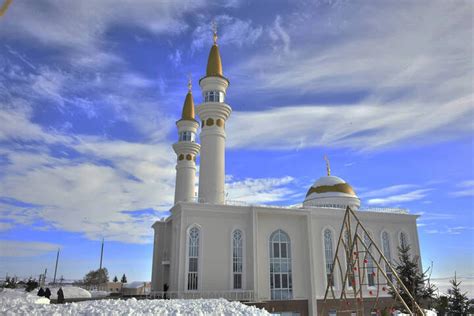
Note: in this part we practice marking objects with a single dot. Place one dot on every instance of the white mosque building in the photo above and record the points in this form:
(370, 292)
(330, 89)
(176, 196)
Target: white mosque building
(276, 257)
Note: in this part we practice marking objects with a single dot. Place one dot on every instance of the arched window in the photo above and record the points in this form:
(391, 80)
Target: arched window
(281, 285)
(369, 263)
(403, 240)
(387, 253)
(193, 258)
(237, 258)
(328, 255)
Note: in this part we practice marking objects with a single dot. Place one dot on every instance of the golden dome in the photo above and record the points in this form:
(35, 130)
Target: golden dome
(188, 107)
(214, 63)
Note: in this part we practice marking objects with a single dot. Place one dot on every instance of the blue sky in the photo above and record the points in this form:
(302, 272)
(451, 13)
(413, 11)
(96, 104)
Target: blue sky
(90, 92)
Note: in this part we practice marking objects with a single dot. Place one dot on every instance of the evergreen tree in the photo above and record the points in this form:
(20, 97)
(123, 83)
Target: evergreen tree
(458, 303)
(413, 279)
(11, 283)
(441, 305)
(124, 279)
(94, 277)
(115, 279)
(31, 285)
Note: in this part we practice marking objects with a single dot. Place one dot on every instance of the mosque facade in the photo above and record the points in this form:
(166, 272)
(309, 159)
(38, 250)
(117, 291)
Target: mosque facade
(278, 258)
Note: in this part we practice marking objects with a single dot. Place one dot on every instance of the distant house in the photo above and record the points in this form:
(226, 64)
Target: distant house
(136, 288)
(113, 287)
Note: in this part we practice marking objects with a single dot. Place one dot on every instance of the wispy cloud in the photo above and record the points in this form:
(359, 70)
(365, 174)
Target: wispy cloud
(279, 36)
(263, 190)
(455, 230)
(465, 188)
(414, 87)
(400, 198)
(395, 194)
(388, 190)
(80, 27)
(232, 31)
(13, 248)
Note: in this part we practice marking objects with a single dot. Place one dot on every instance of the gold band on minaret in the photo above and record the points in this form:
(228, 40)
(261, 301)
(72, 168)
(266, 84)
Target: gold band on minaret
(328, 167)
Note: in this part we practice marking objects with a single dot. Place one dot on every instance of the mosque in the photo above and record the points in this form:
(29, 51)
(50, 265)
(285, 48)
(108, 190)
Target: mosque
(278, 258)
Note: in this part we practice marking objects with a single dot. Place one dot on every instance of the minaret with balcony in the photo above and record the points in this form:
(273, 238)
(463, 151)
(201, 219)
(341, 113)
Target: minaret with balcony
(213, 113)
(186, 150)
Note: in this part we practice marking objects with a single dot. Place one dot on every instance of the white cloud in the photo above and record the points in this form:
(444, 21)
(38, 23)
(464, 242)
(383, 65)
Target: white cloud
(361, 127)
(415, 75)
(395, 194)
(387, 191)
(13, 248)
(466, 188)
(231, 31)
(82, 25)
(400, 198)
(136, 80)
(175, 58)
(279, 36)
(93, 195)
(263, 190)
(455, 230)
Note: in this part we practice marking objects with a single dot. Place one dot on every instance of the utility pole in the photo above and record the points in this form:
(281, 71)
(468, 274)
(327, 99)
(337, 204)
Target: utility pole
(44, 276)
(101, 254)
(56, 268)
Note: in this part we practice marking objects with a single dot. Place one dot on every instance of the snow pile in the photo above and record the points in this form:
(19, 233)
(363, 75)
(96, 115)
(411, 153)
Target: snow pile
(17, 297)
(21, 303)
(70, 292)
(427, 313)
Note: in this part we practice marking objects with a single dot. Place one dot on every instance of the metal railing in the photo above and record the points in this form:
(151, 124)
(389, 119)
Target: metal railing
(300, 206)
(244, 295)
(385, 210)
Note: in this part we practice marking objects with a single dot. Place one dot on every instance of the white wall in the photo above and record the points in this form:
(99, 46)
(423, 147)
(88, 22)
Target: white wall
(217, 222)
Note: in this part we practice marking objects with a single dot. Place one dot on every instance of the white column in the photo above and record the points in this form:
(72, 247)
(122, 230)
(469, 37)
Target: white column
(186, 152)
(212, 166)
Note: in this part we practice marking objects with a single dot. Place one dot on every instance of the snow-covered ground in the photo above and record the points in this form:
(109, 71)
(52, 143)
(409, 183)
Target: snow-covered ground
(14, 302)
(70, 292)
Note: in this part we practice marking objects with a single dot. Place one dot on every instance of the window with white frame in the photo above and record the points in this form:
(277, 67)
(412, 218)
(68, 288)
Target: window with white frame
(193, 258)
(328, 255)
(387, 253)
(281, 284)
(237, 258)
(187, 136)
(369, 262)
(214, 96)
(403, 240)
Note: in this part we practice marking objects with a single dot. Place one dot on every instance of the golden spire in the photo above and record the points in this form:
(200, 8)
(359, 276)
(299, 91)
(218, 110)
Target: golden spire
(188, 107)
(190, 84)
(214, 63)
(214, 31)
(328, 167)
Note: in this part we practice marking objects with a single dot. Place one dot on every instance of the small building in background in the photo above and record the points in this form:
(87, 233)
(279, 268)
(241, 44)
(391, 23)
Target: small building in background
(113, 287)
(136, 288)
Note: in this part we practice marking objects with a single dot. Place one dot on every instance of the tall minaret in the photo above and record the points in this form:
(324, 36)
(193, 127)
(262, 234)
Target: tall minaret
(186, 150)
(213, 113)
